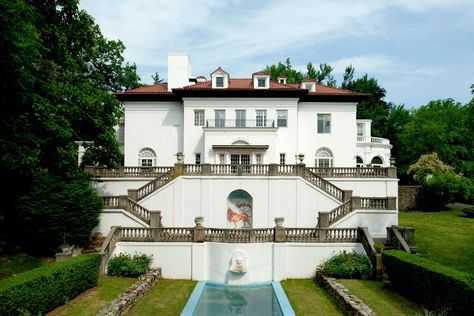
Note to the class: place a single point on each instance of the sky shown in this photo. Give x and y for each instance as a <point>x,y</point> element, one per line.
<point>418,50</point>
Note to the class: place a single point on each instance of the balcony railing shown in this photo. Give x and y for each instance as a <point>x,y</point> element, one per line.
<point>374,140</point>
<point>240,123</point>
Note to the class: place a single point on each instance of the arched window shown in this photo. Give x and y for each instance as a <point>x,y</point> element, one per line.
<point>239,209</point>
<point>359,162</point>
<point>324,158</point>
<point>146,157</point>
<point>377,162</point>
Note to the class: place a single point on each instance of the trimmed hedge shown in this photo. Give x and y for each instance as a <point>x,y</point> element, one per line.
<point>40,290</point>
<point>431,284</point>
<point>125,265</point>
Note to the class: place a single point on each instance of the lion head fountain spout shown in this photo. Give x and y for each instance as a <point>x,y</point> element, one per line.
<point>239,262</point>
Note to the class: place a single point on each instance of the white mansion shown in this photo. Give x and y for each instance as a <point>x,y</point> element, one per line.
<point>240,153</point>
<point>245,121</point>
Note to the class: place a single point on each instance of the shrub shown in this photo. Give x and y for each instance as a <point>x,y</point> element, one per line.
<point>128,266</point>
<point>347,266</point>
<point>429,283</point>
<point>57,211</point>
<point>40,290</point>
<point>443,188</point>
<point>469,212</point>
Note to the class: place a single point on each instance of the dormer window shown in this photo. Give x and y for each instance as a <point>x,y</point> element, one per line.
<point>220,82</point>
<point>220,79</point>
<point>282,80</point>
<point>261,82</point>
<point>308,84</point>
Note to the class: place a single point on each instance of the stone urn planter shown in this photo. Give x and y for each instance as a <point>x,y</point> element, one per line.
<point>279,221</point>
<point>301,158</point>
<point>198,220</point>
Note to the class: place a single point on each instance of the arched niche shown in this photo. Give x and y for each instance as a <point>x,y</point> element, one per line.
<point>239,209</point>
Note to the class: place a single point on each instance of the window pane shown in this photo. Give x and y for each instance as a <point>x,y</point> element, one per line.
<point>222,159</point>
<point>324,123</point>
<point>199,118</point>
<point>258,158</point>
<point>261,118</point>
<point>360,129</point>
<point>198,158</point>
<point>220,118</point>
<point>219,81</point>
<point>282,117</point>
<point>261,83</point>
<point>282,158</point>
<point>240,118</point>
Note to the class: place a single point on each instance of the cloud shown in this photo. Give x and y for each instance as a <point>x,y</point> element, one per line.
<point>381,64</point>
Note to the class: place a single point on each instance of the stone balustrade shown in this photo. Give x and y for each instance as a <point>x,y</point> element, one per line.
<point>225,235</point>
<point>247,170</point>
<point>125,172</point>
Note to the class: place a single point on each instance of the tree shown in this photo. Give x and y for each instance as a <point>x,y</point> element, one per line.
<point>347,77</point>
<point>441,127</point>
<point>57,211</point>
<point>374,107</point>
<point>156,78</point>
<point>58,78</point>
<point>398,117</point>
<point>286,69</point>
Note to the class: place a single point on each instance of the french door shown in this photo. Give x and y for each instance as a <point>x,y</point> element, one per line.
<point>240,159</point>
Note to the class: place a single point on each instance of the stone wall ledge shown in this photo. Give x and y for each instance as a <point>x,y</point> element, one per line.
<point>351,303</point>
<point>131,295</point>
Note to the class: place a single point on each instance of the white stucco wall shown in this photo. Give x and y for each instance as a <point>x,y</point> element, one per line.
<point>342,139</point>
<point>168,128</point>
<point>211,261</point>
<point>375,220</point>
<point>117,186</point>
<point>155,125</point>
<point>283,140</point>
<point>367,187</point>
<point>116,217</point>
<point>291,197</point>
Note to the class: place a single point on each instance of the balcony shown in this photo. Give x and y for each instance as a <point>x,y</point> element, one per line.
<point>240,123</point>
<point>373,140</point>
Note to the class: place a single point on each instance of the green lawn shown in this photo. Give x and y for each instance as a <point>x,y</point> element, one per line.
<point>381,298</point>
<point>20,262</point>
<point>308,298</point>
<point>93,300</point>
<point>446,237</point>
<point>167,297</point>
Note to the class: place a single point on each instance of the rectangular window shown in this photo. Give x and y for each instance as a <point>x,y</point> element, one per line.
<point>261,82</point>
<point>198,158</point>
<point>258,159</point>
<point>146,162</point>
<point>222,159</point>
<point>261,118</point>
<point>220,82</point>
<point>199,118</point>
<point>360,129</point>
<point>219,118</point>
<point>282,158</point>
<point>240,118</point>
<point>324,123</point>
<point>282,118</point>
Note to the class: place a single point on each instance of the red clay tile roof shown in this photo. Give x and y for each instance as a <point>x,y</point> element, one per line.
<point>237,84</point>
<point>160,88</point>
<point>261,73</point>
<point>308,80</point>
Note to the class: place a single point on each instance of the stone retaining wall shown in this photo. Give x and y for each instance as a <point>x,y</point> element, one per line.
<point>351,303</point>
<point>131,295</point>
<point>409,197</point>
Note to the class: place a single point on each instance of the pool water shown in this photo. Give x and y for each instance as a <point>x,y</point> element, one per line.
<point>221,299</point>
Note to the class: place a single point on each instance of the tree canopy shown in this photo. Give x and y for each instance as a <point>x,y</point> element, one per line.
<point>58,77</point>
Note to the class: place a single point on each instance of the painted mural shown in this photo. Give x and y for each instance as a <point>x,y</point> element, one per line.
<point>239,209</point>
